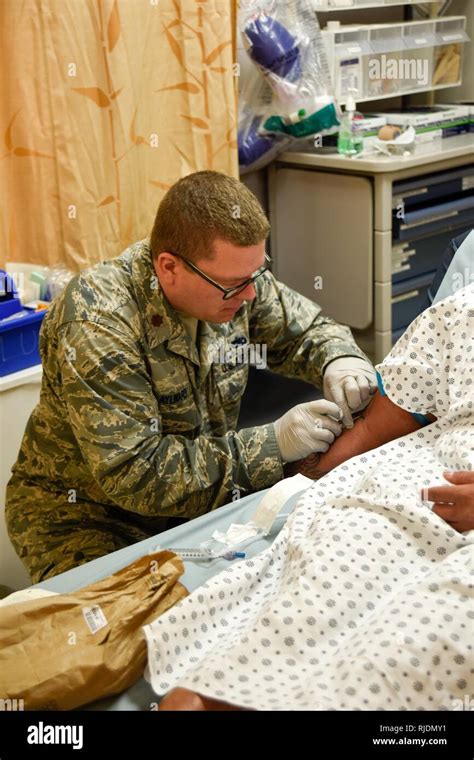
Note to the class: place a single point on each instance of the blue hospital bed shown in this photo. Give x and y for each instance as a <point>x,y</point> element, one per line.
<point>189,535</point>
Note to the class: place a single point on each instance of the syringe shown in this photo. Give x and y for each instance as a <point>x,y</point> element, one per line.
<point>206,554</point>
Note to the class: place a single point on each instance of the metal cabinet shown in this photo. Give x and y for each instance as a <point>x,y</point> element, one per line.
<point>323,248</point>
<point>372,229</point>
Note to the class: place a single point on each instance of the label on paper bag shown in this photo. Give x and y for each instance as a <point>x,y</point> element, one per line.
<point>94,618</point>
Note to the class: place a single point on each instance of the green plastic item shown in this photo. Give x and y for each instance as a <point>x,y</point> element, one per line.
<point>317,122</point>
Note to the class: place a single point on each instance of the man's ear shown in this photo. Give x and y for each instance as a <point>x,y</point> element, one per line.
<point>166,266</point>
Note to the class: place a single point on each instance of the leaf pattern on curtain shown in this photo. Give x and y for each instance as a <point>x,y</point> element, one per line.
<point>114,101</point>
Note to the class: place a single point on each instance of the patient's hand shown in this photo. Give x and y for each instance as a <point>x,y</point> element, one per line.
<point>455,503</point>
<point>380,422</point>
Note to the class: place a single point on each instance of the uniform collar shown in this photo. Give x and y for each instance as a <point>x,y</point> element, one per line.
<point>161,321</point>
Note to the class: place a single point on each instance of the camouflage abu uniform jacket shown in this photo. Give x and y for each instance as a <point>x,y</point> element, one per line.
<point>135,422</point>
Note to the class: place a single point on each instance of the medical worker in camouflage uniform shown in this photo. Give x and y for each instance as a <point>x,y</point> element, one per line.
<point>137,417</point>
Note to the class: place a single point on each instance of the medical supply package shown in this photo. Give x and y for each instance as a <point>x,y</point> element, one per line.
<point>63,651</point>
<point>293,96</point>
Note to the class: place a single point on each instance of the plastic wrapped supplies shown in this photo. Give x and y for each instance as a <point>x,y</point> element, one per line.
<point>257,146</point>
<point>284,42</point>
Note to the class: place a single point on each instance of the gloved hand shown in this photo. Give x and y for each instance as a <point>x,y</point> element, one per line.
<point>306,428</point>
<point>349,382</point>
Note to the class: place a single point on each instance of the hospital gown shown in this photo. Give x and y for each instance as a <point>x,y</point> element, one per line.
<point>364,600</point>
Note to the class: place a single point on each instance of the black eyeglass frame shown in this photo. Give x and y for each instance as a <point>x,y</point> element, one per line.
<point>228,292</point>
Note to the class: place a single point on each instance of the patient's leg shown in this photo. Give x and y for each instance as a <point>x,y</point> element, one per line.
<point>382,421</point>
<point>184,699</point>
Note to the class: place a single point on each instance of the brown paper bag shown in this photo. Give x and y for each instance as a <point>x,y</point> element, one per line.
<point>67,650</point>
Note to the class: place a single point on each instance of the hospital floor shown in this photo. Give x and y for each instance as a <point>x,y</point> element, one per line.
<point>268,396</point>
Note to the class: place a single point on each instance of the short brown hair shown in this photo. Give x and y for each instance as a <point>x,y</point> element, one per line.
<point>202,207</point>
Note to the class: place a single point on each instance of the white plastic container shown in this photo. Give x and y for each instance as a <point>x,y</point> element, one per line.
<point>385,60</point>
<point>419,41</point>
<point>381,70</point>
<point>448,51</point>
<point>347,51</point>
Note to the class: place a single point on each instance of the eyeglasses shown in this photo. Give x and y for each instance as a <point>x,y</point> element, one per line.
<point>228,292</point>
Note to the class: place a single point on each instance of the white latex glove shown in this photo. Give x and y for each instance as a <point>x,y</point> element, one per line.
<point>349,382</point>
<point>306,428</point>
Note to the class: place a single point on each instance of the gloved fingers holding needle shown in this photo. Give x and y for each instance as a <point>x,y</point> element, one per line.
<point>349,382</point>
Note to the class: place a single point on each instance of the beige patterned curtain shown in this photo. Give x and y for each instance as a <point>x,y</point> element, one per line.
<point>104,104</point>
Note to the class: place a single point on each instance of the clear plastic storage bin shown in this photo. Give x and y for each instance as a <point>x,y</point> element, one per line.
<point>385,60</point>
<point>448,52</point>
<point>351,49</point>
<point>381,72</point>
<point>417,69</point>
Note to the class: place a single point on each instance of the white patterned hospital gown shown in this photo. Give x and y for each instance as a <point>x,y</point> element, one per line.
<point>364,600</point>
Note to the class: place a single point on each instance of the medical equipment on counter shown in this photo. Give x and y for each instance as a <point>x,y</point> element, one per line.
<point>401,145</point>
<point>351,140</point>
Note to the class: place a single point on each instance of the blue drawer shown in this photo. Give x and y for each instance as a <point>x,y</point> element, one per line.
<point>416,257</point>
<point>409,299</point>
<point>427,220</point>
<point>431,187</point>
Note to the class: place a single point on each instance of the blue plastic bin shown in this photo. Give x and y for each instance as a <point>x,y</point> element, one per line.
<point>19,341</point>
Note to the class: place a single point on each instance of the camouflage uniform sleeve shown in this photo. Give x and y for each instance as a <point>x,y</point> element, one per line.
<point>115,417</point>
<point>300,339</point>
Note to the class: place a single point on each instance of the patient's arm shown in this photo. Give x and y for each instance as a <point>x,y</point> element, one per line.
<point>380,422</point>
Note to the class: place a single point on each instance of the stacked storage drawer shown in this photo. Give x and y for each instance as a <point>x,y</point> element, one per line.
<point>384,60</point>
<point>428,212</point>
